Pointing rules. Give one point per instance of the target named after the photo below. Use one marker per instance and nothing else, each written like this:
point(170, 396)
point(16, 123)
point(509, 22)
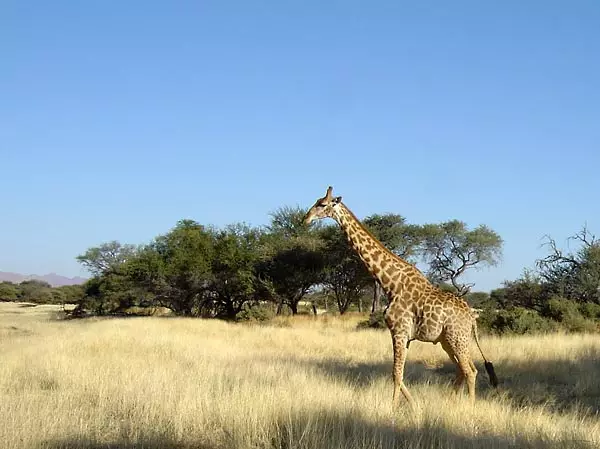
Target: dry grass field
point(297, 383)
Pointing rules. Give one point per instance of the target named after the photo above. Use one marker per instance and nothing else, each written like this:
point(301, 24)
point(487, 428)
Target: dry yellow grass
point(299, 383)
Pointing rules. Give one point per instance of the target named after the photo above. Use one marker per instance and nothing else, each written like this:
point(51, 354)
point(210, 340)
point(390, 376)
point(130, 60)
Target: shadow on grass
point(142, 443)
point(330, 429)
point(415, 372)
point(336, 430)
point(559, 385)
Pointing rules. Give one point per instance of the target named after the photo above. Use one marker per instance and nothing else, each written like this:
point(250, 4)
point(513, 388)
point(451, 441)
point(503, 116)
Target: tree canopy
point(198, 270)
point(451, 249)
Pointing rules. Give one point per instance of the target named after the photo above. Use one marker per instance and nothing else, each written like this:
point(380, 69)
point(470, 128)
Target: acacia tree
point(344, 275)
point(9, 291)
point(110, 289)
point(451, 249)
point(176, 267)
point(238, 251)
point(573, 275)
point(107, 257)
point(527, 291)
point(294, 260)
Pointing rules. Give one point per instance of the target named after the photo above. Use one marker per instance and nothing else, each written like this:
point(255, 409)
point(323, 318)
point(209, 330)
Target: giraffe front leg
point(400, 351)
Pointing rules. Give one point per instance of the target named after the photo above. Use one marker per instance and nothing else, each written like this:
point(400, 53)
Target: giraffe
point(417, 309)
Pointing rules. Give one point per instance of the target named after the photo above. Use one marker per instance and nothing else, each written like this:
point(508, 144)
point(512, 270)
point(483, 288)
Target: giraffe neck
point(394, 274)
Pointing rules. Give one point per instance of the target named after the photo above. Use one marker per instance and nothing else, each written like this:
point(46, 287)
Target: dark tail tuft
point(489, 367)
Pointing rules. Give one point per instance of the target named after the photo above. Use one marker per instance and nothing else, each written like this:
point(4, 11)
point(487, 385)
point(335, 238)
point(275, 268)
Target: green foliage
point(479, 300)
point(107, 257)
point(40, 292)
point(98, 297)
point(376, 321)
point(109, 293)
point(517, 320)
point(9, 291)
point(345, 275)
point(257, 313)
point(451, 249)
point(574, 275)
point(561, 309)
point(30, 288)
point(590, 310)
point(238, 251)
point(72, 293)
point(286, 222)
point(294, 260)
point(240, 272)
point(292, 272)
point(569, 315)
point(528, 291)
point(558, 314)
point(176, 267)
point(395, 234)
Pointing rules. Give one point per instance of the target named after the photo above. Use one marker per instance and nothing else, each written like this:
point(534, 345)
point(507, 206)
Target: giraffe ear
point(337, 199)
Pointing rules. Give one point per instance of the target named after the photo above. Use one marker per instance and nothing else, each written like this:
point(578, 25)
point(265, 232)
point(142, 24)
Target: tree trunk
point(230, 310)
point(360, 308)
point(342, 303)
point(280, 307)
point(376, 297)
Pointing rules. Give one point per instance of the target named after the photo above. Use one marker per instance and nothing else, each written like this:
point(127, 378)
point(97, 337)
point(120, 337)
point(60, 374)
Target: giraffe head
point(323, 207)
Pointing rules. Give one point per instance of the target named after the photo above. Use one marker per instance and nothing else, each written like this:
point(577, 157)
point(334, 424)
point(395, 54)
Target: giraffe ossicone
point(417, 309)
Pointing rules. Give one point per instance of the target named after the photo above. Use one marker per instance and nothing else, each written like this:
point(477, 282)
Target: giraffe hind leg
point(460, 378)
point(468, 369)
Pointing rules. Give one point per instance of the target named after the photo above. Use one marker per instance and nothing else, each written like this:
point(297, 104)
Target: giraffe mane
point(380, 245)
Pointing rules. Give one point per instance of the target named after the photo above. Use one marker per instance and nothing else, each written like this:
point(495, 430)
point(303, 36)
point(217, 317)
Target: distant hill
point(55, 280)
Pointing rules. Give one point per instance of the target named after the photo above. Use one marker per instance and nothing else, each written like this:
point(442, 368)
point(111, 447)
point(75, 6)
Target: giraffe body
point(417, 309)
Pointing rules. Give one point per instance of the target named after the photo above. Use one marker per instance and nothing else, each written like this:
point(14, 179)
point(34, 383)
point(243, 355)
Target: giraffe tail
point(489, 367)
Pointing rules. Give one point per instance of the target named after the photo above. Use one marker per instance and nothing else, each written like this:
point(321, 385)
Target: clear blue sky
point(119, 118)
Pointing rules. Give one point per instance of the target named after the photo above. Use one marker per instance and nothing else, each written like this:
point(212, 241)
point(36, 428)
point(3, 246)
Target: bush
point(376, 321)
point(568, 313)
point(561, 309)
point(521, 321)
point(579, 324)
point(485, 320)
point(590, 310)
point(259, 312)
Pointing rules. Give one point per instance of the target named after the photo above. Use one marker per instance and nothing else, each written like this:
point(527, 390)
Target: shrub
point(376, 321)
point(590, 310)
point(486, 319)
point(561, 309)
point(259, 312)
point(521, 321)
point(579, 324)
point(568, 313)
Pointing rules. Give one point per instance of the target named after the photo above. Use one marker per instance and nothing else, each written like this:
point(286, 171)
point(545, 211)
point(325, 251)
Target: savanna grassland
point(295, 383)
